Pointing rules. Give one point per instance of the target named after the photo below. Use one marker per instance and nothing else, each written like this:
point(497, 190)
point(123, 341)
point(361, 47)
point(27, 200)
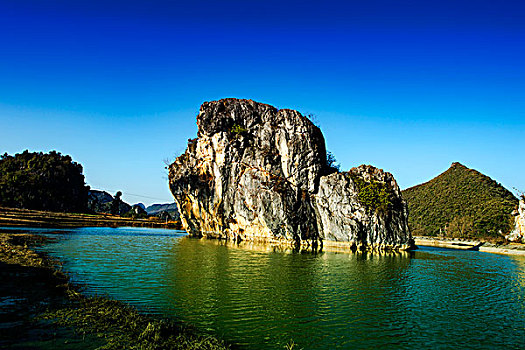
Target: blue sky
point(407, 86)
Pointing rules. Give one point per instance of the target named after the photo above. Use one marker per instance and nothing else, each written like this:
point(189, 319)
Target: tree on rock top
point(42, 181)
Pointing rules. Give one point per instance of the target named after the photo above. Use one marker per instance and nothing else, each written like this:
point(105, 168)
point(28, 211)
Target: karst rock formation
point(258, 173)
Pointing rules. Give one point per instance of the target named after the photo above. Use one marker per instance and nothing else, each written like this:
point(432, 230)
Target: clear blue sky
point(407, 86)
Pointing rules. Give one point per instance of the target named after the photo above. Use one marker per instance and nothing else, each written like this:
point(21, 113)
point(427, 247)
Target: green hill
point(460, 202)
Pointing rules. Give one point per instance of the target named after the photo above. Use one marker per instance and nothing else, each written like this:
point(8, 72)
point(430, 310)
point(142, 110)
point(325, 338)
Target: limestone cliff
point(258, 173)
point(363, 206)
point(518, 234)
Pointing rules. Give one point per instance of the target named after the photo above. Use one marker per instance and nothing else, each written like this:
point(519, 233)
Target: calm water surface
point(261, 298)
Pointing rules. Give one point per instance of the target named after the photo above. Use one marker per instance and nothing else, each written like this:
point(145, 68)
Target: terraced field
point(36, 218)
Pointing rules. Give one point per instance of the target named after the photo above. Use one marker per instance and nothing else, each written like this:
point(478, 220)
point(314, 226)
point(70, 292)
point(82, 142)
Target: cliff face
point(363, 206)
point(518, 234)
point(258, 173)
point(250, 173)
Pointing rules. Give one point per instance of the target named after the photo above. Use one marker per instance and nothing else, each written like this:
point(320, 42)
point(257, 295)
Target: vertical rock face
point(258, 173)
point(518, 234)
point(363, 206)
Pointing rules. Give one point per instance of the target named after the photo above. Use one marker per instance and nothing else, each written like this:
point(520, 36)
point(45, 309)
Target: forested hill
point(42, 181)
point(460, 202)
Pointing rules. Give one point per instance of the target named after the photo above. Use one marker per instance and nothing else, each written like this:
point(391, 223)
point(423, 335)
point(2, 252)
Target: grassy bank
point(37, 218)
point(40, 308)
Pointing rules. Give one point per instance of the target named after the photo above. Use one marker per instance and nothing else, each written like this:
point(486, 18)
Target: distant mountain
point(158, 209)
point(100, 202)
point(460, 202)
point(99, 197)
point(141, 205)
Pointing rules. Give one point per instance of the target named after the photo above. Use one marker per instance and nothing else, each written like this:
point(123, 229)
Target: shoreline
point(482, 246)
point(41, 308)
point(289, 247)
point(311, 245)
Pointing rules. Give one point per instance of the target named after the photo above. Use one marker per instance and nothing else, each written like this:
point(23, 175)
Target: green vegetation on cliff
point(461, 202)
point(42, 181)
point(374, 195)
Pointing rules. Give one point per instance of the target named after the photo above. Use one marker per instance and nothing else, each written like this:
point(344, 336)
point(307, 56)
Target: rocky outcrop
point(518, 234)
point(363, 206)
point(258, 173)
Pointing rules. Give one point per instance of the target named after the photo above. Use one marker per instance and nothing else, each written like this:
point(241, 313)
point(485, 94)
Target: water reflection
point(260, 296)
point(265, 297)
point(519, 281)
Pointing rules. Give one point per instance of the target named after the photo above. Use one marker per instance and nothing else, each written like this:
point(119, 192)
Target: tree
point(115, 204)
point(42, 181)
point(331, 162)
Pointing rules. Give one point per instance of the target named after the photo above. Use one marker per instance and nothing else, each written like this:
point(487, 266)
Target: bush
point(237, 129)
point(374, 195)
point(331, 162)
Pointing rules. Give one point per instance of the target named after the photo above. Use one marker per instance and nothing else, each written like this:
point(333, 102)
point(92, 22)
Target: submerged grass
point(123, 327)
point(116, 324)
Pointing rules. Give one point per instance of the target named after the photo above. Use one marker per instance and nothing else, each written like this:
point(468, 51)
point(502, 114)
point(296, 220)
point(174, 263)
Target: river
point(259, 297)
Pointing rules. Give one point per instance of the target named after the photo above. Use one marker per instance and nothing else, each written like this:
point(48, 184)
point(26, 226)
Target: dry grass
point(37, 218)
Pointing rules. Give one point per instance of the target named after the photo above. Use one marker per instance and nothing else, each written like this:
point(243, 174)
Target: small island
point(258, 173)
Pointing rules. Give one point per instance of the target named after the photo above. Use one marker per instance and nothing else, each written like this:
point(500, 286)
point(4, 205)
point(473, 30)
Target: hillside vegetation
point(103, 202)
point(460, 202)
point(42, 181)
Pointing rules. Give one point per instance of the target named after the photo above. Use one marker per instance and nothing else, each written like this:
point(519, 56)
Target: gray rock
point(364, 207)
point(518, 234)
point(258, 173)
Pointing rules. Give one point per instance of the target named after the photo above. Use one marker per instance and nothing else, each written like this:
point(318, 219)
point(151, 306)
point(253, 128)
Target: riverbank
point(40, 308)
point(37, 218)
point(482, 246)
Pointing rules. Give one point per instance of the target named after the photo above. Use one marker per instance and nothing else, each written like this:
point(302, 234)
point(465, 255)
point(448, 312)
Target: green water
point(261, 298)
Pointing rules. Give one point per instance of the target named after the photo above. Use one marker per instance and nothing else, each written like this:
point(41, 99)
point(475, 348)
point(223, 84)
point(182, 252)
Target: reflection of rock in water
point(518, 235)
point(283, 247)
point(258, 173)
point(263, 297)
point(519, 261)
